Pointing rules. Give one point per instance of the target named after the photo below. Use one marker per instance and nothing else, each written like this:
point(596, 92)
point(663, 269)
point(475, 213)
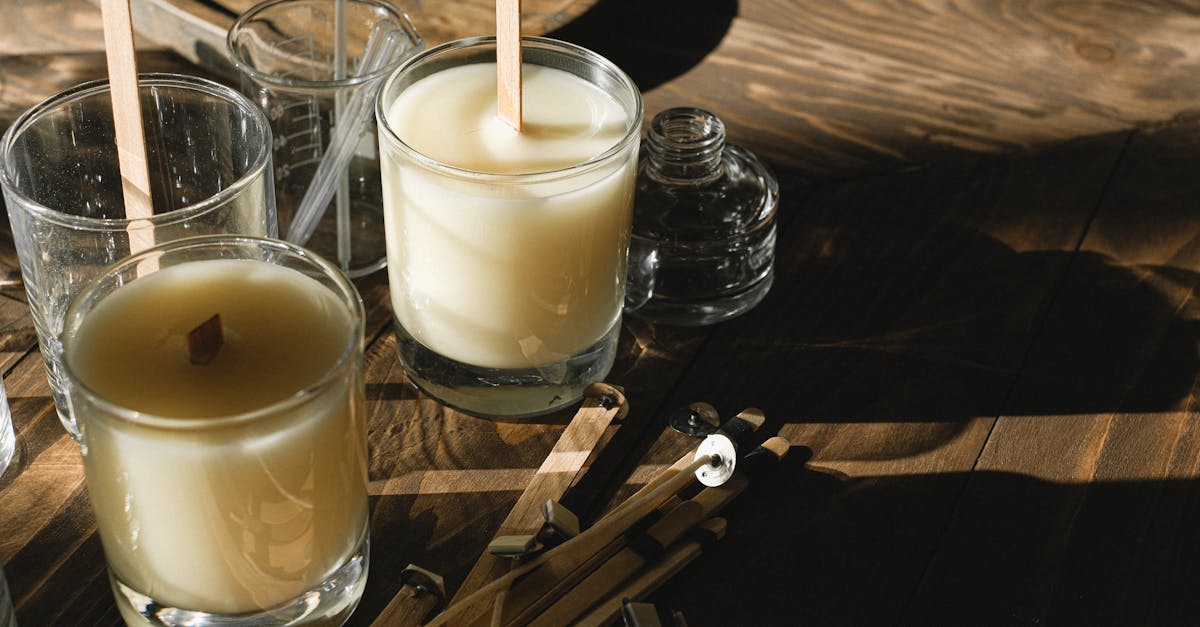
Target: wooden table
point(981, 341)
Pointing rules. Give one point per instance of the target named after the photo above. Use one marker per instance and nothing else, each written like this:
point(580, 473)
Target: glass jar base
point(502, 392)
point(701, 313)
point(329, 603)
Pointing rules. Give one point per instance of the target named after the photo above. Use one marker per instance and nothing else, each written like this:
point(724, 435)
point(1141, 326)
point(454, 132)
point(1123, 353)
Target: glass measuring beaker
point(302, 62)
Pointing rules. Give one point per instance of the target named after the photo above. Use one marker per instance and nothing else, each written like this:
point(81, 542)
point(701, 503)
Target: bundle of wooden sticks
point(627, 554)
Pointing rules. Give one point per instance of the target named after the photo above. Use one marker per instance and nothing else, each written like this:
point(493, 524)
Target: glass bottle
point(703, 242)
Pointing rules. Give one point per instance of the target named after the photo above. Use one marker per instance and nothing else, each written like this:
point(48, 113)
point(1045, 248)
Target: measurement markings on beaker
point(298, 120)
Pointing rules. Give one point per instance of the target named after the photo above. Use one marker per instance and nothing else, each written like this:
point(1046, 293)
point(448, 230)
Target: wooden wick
point(421, 593)
point(530, 588)
point(642, 548)
point(562, 468)
point(537, 594)
point(508, 62)
point(127, 122)
point(620, 567)
point(738, 428)
point(653, 577)
point(205, 341)
point(553, 566)
point(602, 404)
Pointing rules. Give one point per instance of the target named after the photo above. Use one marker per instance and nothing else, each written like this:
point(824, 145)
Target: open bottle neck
point(684, 147)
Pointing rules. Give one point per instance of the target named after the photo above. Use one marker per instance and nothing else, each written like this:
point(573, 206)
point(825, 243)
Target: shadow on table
point(652, 41)
point(893, 305)
point(899, 320)
point(807, 547)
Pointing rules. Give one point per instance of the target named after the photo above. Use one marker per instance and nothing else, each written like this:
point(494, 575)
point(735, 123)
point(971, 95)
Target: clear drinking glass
point(208, 150)
point(300, 60)
point(507, 287)
point(230, 490)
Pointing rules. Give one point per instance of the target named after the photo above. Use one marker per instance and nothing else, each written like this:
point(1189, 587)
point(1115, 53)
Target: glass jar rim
point(258, 162)
point(632, 134)
point(345, 292)
point(299, 84)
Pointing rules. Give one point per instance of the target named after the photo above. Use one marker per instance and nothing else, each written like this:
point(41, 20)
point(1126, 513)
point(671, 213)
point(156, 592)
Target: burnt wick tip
point(205, 341)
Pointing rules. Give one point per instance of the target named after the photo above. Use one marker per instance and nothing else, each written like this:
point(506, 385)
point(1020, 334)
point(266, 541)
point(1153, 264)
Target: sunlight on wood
point(454, 482)
point(476, 481)
point(37, 494)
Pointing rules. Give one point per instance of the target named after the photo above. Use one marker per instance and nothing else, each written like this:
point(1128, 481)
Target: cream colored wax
point(507, 273)
point(209, 513)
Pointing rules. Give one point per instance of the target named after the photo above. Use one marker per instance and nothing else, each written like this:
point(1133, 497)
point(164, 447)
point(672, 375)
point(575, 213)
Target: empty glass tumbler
point(208, 150)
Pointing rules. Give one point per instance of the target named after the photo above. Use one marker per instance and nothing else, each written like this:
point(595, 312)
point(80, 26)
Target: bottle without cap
point(703, 241)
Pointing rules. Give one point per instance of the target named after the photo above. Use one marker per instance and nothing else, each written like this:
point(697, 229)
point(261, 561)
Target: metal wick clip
point(561, 524)
point(635, 614)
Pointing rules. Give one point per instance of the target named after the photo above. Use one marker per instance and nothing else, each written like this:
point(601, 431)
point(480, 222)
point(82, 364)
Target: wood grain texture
point(29, 79)
point(196, 29)
point(988, 362)
point(508, 62)
point(563, 467)
point(121, 64)
point(838, 86)
point(894, 332)
point(1099, 439)
point(48, 26)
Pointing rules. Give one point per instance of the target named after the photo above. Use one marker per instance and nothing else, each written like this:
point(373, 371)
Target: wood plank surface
point(1082, 503)
point(897, 326)
point(981, 339)
point(196, 29)
point(859, 85)
point(58, 26)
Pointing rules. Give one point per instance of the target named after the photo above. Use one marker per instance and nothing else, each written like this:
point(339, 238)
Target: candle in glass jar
point(519, 275)
point(233, 485)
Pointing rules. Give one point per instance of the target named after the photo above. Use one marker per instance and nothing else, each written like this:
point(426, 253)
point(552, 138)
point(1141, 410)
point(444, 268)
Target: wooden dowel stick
point(583, 553)
point(651, 578)
point(542, 572)
point(673, 525)
point(127, 121)
point(410, 607)
point(739, 428)
point(508, 62)
point(422, 591)
point(619, 568)
point(566, 605)
point(535, 595)
point(539, 589)
point(564, 466)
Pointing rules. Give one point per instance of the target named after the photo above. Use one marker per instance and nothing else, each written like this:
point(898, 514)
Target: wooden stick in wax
point(127, 121)
point(508, 62)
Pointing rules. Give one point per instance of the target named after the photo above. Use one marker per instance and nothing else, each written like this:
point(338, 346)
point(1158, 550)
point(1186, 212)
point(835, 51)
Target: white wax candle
point(199, 510)
point(514, 274)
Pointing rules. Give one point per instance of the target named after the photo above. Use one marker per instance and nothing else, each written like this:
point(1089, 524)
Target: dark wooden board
point(898, 331)
point(1083, 506)
point(901, 316)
